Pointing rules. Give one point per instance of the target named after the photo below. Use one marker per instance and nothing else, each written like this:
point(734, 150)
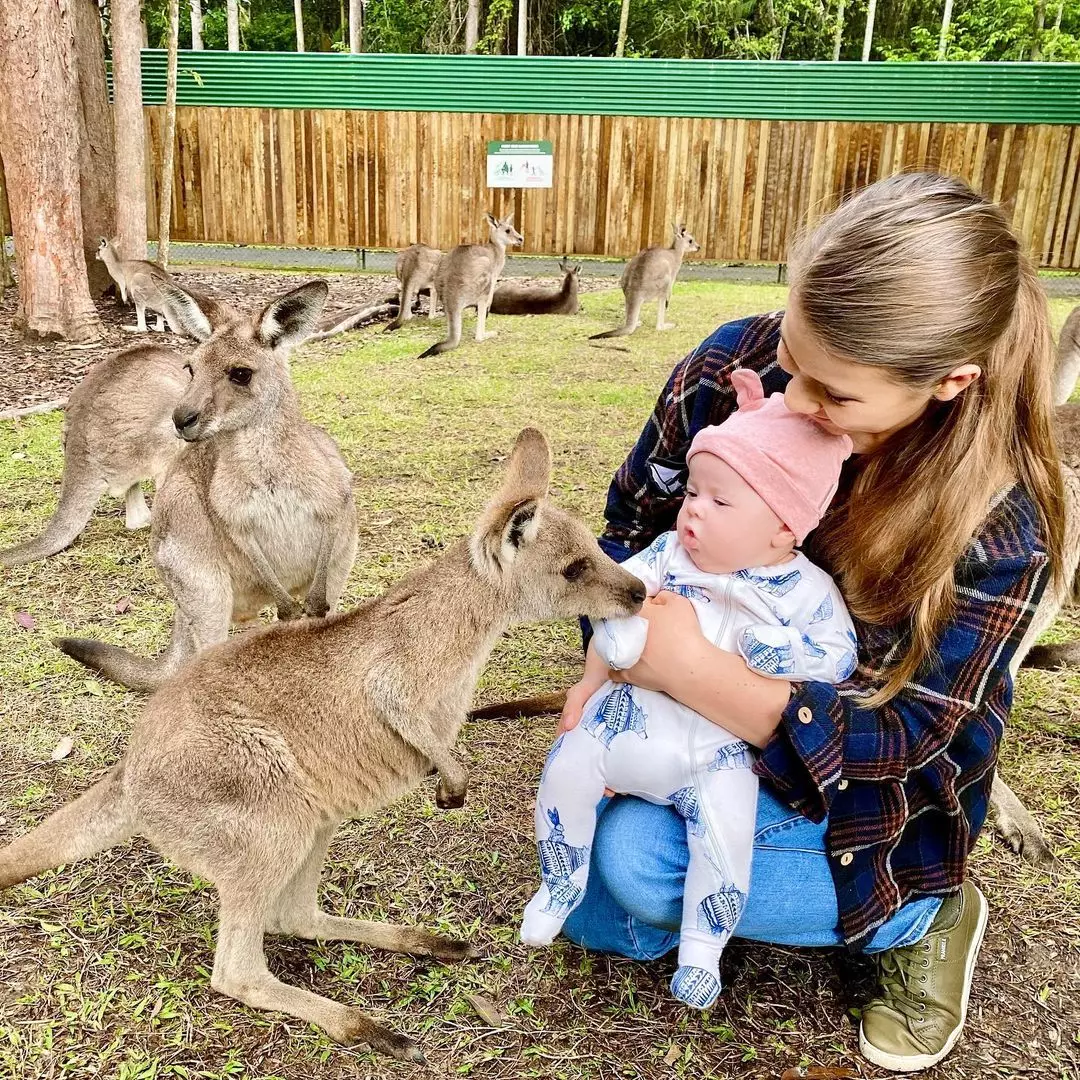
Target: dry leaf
point(383, 521)
point(673, 1054)
point(63, 748)
point(123, 606)
point(819, 1072)
point(26, 620)
point(487, 1010)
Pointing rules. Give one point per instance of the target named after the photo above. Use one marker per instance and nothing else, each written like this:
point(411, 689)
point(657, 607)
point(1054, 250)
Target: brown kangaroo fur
point(118, 432)
point(514, 299)
point(650, 275)
point(1068, 363)
point(415, 269)
point(242, 767)
point(466, 277)
point(258, 509)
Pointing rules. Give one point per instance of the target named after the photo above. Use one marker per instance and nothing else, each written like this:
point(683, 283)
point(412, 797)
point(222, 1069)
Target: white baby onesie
point(786, 621)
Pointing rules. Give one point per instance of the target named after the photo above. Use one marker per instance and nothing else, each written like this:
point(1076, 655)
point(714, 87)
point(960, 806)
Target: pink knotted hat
point(790, 461)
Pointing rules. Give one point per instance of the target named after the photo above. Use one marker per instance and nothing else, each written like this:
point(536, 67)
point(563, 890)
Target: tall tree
point(472, 25)
point(39, 132)
point(838, 39)
point(624, 19)
point(1040, 25)
point(868, 37)
point(356, 26)
point(130, 129)
point(232, 19)
point(97, 160)
point(196, 24)
point(298, 15)
point(946, 20)
point(168, 136)
point(523, 27)
point(6, 279)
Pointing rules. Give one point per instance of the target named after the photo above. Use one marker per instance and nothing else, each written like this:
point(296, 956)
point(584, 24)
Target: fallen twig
point(368, 314)
point(30, 410)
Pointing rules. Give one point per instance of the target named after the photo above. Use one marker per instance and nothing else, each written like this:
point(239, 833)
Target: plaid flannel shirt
point(904, 787)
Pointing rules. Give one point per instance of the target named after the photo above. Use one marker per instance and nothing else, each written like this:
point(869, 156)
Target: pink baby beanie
point(790, 461)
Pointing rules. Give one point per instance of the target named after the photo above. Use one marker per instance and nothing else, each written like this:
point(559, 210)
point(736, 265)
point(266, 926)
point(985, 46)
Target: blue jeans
point(633, 904)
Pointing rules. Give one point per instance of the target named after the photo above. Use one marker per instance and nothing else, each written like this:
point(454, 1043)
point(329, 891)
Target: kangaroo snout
point(186, 422)
point(637, 595)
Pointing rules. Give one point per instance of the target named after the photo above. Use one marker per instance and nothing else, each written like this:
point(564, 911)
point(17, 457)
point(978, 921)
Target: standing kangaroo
point(242, 767)
point(258, 509)
point(513, 299)
point(140, 279)
point(1068, 365)
point(415, 269)
point(650, 275)
point(467, 277)
point(118, 432)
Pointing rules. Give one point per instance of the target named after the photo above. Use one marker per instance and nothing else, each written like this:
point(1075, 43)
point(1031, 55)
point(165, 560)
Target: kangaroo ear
point(528, 471)
point(577, 268)
point(492, 220)
point(291, 318)
point(508, 220)
point(185, 311)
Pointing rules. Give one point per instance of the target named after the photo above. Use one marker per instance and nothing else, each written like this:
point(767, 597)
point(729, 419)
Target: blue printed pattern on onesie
point(558, 861)
point(552, 754)
point(732, 755)
point(774, 586)
point(618, 712)
point(691, 592)
point(823, 611)
point(650, 554)
point(685, 800)
point(696, 986)
point(768, 659)
point(849, 661)
point(719, 913)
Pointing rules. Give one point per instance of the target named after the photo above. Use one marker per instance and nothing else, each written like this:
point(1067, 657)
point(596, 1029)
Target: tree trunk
point(523, 28)
point(624, 19)
point(232, 16)
point(196, 24)
point(39, 131)
point(97, 162)
point(1040, 24)
point(356, 26)
point(5, 271)
point(298, 14)
point(168, 137)
point(472, 26)
point(130, 130)
point(946, 21)
point(868, 37)
point(838, 40)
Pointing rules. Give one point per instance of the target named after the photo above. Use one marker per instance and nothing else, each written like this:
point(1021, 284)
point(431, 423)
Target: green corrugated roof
point(947, 92)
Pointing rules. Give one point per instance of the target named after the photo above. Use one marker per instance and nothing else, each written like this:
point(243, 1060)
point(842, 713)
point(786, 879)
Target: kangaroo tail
point(77, 502)
point(119, 665)
point(533, 706)
point(438, 347)
point(98, 819)
point(619, 331)
point(351, 322)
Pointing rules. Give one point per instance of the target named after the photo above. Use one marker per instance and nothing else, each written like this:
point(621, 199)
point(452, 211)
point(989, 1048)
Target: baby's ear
point(783, 539)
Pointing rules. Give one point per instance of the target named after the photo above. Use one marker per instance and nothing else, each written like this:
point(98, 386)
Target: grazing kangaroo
point(415, 269)
point(118, 432)
point(1068, 365)
point(258, 509)
point(467, 277)
point(650, 275)
point(242, 767)
point(140, 279)
point(513, 299)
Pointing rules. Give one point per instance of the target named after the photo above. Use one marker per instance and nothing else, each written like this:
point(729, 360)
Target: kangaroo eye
point(240, 375)
point(575, 569)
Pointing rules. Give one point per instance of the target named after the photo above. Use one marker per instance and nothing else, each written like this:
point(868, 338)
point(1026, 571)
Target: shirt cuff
point(803, 758)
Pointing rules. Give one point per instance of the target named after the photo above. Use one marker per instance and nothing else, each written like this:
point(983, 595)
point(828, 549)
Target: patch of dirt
point(33, 373)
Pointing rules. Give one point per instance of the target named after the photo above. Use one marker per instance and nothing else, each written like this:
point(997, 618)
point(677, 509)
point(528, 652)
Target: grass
point(104, 966)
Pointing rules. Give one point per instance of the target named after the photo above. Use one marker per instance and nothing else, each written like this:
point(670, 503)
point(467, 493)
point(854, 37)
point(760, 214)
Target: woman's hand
point(674, 632)
point(576, 697)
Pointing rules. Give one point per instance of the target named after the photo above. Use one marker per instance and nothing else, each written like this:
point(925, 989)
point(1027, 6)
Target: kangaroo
point(258, 509)
point(242, 767)
point(415, 269)
point(140, 279)
point(513, 299)
point(118, 432)
point(650, 275)
point(467, 277)
point(1068, 365)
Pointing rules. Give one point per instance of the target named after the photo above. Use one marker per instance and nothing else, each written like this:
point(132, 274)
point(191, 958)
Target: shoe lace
point(897, 974)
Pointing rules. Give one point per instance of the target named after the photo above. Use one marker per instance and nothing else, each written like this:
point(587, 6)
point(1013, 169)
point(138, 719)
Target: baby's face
point(724, 525)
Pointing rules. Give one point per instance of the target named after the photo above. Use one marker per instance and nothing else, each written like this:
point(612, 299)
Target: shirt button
point(805, 715)
point(842, 786)
point(847, 859)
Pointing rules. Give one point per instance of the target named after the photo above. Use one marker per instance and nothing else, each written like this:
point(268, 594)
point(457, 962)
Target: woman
point(917, 326)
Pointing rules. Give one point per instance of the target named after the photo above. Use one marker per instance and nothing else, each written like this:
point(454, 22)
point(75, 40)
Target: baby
point(759, 482)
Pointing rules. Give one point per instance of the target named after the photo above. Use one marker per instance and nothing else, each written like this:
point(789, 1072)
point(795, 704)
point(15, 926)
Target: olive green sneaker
point(925, 988)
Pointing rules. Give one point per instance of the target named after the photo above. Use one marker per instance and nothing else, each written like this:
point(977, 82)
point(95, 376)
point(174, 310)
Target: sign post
point(520, 164)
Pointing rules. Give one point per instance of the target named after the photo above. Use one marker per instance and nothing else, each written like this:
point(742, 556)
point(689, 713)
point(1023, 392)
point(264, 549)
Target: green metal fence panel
point(1020, 93)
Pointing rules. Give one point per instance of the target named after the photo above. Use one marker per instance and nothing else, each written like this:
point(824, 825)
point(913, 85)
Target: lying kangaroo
point(118, 432)
point(258, 509)
point(243, 766)
point(467, 277)
point(1068, 364)
point(140, 279)
point(650, 275)
point(511, 298)
point(415, 269)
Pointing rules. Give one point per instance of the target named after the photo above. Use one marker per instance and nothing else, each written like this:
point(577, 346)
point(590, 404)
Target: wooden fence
point(354, 178)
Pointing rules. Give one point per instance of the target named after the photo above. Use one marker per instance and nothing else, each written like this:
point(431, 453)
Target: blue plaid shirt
point(905, 787)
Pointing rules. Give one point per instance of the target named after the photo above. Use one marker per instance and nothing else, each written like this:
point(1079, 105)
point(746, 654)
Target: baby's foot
point(695, 986)
point(539, 927)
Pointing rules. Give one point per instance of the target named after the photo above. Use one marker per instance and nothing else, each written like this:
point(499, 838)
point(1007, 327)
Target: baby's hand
point(576, 697)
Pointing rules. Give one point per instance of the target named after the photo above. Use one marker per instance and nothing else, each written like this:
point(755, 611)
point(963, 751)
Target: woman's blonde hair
point(918, 274)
